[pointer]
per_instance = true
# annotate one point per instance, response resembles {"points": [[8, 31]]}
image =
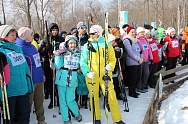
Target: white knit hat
{"points": [[111, 37], [170, 30], [96, 29], [140, 29], [147, 31], [4, 30]]}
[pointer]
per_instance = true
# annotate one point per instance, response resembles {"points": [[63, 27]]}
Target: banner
{"points": [[123, 19]]}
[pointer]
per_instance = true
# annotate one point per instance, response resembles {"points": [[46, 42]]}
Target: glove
{"points": [[90, 75], [162, 41], [108, 67]]}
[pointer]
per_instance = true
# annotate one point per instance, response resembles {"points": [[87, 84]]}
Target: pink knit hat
{"points": [[24, 33]]}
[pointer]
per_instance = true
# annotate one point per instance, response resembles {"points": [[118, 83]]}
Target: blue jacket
{"points": [[133, 52], [33, 60], [62, 63], [20, 80]]}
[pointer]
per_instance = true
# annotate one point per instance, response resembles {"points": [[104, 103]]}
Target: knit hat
{"points": [[153, 33], [169, 30], [73, 30], [111, 37], [4, 30], [96, 29], [70, 39], [114, 31], [140, 29], [149, 27], [129, 29], [24, 33], [147, 31], [186, 29], [80, 24], [181, 30]]}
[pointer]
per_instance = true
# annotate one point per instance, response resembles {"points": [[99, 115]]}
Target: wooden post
{"points": [[160, 92]]}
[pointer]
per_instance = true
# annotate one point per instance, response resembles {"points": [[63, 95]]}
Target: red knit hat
{"points": [[129, 29]]}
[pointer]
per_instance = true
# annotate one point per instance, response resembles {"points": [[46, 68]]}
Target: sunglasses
{"points": [[83, 27], [92, 33]]}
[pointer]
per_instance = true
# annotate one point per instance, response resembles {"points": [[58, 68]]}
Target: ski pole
{"points": [[4, 95], [54, 116], [124, 97]]}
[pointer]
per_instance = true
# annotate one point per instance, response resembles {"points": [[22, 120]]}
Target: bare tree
{"points": [[3, 11]]}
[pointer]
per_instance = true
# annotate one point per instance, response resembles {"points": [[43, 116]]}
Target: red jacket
{"points": [[173, 49], [154, 49]]}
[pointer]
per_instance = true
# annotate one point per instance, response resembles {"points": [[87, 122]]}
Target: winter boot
{"points": [[97, 121], [50, 106], [67, 122], [79, 118], [120, 122]]}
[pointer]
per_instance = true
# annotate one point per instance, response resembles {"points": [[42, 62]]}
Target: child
{"points": [[67, 65], [147, 56]]}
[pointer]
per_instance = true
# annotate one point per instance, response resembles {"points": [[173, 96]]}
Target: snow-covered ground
{"points": [[137, 110], [174, 110]]}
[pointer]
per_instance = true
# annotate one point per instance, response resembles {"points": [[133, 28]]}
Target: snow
{"points": [[172, 109], [137, 110]]}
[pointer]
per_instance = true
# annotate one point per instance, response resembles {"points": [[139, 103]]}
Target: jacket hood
{"points": [[53, 26], [21, 42]]}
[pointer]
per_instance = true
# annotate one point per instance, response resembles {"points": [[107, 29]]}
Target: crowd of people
{"points": [[69, 67]]}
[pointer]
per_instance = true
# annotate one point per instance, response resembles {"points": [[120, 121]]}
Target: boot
{"points": [[97, 121], [79, 118], [120, 122], [67, 122], [50, 106]]}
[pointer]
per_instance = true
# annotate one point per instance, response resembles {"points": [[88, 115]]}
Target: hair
{"points": [[12, 30]]}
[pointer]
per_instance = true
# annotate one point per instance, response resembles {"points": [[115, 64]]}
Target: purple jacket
{"points": [[133, 52]]}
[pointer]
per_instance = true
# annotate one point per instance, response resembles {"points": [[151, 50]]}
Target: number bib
{"points": [[37, 60], [175, 43], [154, 47], [137, 47], [16, 58], [71, 62], [145, 46]]}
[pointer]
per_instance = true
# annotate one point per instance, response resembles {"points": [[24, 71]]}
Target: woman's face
{"points": [[94, 36], [147, 36], [141, 34], [132, 33], [11, 37], [72, 45], [172, 33], [113, 42]]}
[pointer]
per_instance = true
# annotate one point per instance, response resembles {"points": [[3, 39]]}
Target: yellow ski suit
{"points": [[98, 66]]}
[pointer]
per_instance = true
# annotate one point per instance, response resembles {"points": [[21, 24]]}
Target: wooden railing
{"points": [[180, 77]]}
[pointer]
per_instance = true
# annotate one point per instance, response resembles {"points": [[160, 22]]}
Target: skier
{"points": [[46, 51], [97, 73], [20, 84], [67, 65], [33, 59], [82, 89]]}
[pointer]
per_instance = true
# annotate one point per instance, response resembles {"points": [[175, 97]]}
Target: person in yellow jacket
{"points": [[184, 39], [35, 40], [93, 67]]}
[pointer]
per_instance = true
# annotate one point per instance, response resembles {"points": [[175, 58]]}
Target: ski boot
{"points": [[120, 122], [97, 121]]}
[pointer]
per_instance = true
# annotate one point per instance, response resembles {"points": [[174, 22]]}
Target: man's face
{"points": [[54, 32], [64, 35], [82, 30]]}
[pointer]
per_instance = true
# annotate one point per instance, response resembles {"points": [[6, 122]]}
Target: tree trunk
{"points": [[28, 14], [3, 11]]}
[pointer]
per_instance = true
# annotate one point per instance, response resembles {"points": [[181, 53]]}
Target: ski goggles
{"points": [[93, 33], [83, 27]]}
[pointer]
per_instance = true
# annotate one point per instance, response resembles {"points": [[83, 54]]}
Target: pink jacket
{"points": [[145, 47]]}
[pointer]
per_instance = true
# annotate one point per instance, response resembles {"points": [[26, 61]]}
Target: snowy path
{"points": [[137, 107]]}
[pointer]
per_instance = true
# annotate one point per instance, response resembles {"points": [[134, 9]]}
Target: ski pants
{"points": [[67, 102], [144, 74], [112, 100]]}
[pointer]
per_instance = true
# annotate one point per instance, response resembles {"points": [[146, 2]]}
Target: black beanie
{"points": [[36, 35]]}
